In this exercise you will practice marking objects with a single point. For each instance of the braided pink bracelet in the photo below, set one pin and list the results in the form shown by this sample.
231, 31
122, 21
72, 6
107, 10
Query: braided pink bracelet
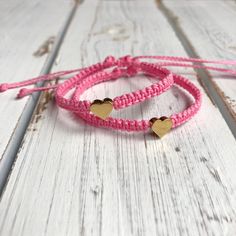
97, 112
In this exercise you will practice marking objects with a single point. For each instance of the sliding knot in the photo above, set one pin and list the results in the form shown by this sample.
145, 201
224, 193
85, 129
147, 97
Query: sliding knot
131, 71
125, 61
4, 87
130, 65
109, 61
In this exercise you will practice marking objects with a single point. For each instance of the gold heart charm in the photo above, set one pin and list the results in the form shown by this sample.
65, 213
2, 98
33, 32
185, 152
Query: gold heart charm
102, 109
161, 126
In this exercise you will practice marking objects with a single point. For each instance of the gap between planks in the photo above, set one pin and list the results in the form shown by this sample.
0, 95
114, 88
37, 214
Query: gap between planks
17, 137
96, 187
211, 88
204, 78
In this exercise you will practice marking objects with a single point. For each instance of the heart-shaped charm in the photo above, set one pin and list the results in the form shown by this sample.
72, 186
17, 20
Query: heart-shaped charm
102, 109
161, 126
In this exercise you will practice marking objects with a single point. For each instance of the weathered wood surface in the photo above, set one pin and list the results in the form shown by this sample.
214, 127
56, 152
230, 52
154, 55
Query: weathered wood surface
25, 27
73, 179
207, 25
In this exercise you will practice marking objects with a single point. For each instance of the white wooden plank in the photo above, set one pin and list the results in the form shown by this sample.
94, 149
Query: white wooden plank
210, 26
24, 27
73, 179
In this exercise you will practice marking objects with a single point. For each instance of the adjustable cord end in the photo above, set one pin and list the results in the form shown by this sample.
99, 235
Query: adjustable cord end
23, 92
4, 87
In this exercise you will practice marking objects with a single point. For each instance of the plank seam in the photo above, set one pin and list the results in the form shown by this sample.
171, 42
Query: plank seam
10, 154
204, 78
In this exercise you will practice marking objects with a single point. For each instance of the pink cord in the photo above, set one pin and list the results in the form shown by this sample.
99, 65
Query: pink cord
127, 66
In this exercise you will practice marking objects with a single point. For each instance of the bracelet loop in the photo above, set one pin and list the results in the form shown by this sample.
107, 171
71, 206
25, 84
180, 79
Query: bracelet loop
97, 112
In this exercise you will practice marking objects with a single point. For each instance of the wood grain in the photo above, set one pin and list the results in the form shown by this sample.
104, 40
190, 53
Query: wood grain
73, 179
24, 26
29, 37
209, 25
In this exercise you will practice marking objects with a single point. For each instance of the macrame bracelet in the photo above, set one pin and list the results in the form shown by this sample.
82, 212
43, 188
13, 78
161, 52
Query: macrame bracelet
97, 112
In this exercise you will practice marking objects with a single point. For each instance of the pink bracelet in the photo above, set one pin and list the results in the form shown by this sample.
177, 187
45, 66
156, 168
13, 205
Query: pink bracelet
97, 112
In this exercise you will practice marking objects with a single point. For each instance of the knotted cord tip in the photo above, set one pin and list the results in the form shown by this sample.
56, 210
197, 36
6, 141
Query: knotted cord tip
23, 92
4, 87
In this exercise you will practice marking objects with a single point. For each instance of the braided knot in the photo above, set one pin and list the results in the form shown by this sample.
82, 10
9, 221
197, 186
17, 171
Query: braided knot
127, 65
125, 61
109, 61
130, 64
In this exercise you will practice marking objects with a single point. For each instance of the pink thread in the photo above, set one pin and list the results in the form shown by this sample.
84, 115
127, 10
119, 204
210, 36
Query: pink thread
3, 87
126, 66
24, 91
52, 76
